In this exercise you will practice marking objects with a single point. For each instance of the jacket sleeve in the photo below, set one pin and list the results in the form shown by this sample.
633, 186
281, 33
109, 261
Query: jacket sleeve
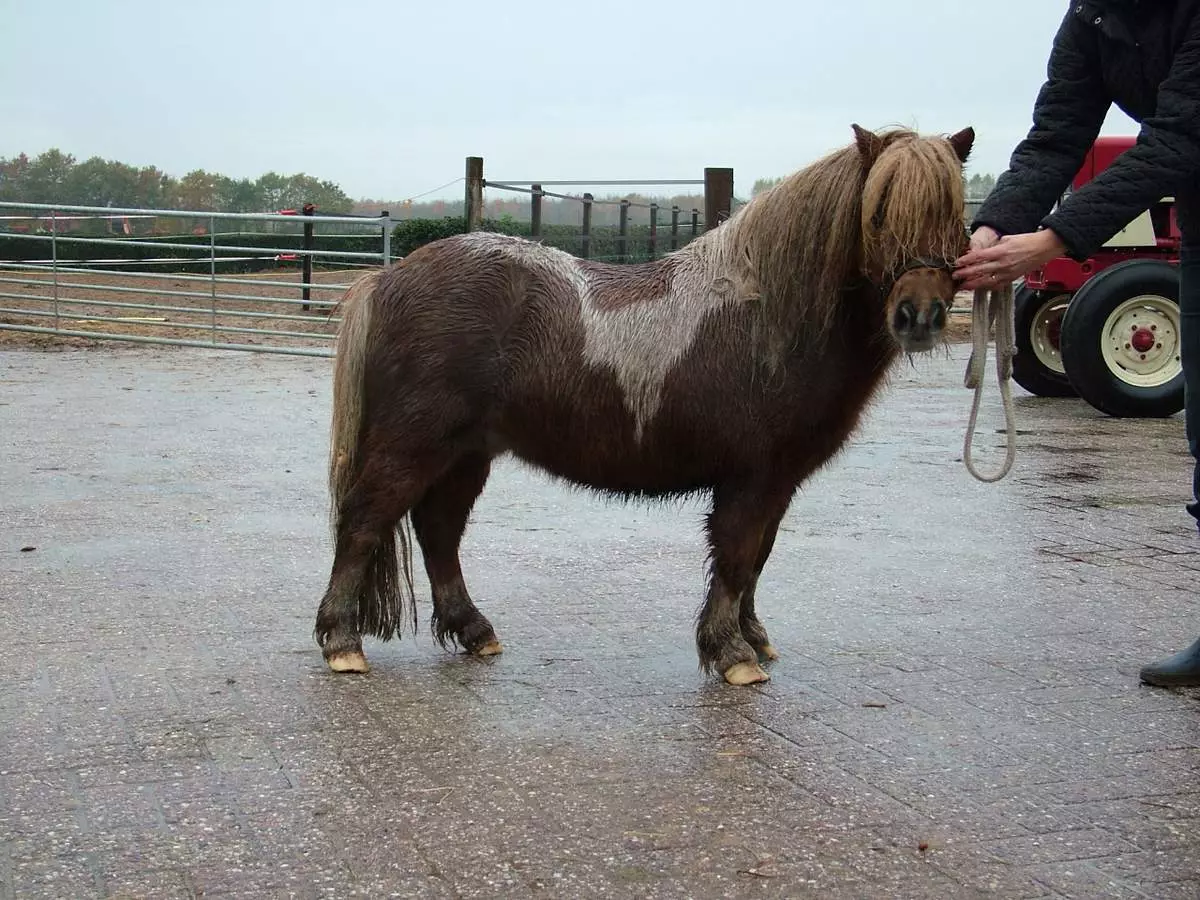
1067, 116
1164, 160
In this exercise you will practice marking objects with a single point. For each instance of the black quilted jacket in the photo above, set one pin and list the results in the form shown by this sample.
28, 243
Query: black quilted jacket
1144, 56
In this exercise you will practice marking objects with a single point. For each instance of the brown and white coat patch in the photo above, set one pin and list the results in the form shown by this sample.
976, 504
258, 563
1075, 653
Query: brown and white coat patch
638, 321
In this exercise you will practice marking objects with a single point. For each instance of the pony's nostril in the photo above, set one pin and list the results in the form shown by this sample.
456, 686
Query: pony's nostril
906, 315
938, 318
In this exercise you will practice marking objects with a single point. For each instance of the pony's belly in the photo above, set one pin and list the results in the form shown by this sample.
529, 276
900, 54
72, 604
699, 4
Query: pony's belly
621, 475
596, 452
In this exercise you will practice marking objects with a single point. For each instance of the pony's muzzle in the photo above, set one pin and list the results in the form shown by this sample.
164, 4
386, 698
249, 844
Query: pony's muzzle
919, 308
918, 325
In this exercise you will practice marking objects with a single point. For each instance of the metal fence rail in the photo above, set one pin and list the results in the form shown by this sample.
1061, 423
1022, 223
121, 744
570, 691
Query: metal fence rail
268, 284
271, 286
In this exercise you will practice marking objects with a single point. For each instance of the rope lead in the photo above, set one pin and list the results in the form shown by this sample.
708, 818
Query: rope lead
992, 307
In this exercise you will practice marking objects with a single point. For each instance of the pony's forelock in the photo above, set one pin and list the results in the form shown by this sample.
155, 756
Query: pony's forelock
913, 201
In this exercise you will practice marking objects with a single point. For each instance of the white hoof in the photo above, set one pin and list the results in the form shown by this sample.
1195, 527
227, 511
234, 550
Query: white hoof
491, 648
352, 661
746, 673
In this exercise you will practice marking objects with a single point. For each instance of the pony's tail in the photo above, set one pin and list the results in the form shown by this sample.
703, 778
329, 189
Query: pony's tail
383, 603
350, 358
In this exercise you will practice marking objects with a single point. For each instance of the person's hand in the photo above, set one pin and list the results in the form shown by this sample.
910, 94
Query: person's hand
1006, 259
983, 237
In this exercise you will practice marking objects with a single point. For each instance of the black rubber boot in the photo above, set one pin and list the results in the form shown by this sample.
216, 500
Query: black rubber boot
1180, 670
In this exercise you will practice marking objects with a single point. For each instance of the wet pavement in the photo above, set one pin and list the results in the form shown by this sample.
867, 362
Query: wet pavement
956, 712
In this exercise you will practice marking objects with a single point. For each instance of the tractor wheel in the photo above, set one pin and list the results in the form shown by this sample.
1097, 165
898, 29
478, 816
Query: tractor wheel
1038, 365
1120, 340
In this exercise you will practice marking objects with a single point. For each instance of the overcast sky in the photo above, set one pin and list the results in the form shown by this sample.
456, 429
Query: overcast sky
387, 97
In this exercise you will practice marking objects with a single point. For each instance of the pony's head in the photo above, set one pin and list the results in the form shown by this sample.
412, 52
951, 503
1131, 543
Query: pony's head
887, 209
913, 227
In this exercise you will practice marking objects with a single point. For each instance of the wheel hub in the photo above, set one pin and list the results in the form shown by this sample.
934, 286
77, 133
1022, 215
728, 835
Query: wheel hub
1142, 341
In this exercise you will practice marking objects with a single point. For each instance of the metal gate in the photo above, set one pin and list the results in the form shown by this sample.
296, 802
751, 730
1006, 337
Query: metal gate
257, 282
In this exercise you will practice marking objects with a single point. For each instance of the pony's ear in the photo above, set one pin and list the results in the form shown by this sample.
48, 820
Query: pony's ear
962, 142
869, 145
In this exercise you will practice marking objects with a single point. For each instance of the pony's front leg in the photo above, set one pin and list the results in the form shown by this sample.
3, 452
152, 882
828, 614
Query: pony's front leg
740, 521
752, 629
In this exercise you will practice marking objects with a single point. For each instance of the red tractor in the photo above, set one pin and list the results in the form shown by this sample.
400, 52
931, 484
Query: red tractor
1107, 329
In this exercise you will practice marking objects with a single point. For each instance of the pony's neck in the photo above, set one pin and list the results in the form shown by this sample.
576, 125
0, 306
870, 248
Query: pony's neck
794, 251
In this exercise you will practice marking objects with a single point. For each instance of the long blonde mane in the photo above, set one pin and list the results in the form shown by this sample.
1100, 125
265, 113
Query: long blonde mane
797, 247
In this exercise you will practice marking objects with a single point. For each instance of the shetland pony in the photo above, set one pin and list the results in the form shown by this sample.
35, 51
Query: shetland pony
736, 366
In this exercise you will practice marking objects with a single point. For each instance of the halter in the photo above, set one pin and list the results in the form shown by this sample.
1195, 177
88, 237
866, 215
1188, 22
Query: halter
895, 273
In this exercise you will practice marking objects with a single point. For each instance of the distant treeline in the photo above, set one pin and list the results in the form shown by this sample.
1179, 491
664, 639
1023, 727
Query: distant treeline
57, 177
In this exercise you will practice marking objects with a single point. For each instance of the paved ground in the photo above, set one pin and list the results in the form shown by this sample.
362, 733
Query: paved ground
956, 712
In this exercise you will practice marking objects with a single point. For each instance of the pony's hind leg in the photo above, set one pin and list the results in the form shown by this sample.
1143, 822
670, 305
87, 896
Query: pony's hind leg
740, 521
439, 521
369, 592
359, 551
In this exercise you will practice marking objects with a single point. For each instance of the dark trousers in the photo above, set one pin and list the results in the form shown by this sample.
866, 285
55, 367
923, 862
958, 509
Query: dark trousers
1189, 336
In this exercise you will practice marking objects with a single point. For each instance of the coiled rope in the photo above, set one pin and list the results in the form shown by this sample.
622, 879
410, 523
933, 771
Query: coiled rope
992, 306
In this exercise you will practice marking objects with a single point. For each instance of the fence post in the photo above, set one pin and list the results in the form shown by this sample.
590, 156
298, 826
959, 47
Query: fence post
535, 212
653, 230
306, 261
473, 209
586, 248
54, 262
623, 232
674, 227
695, 222
212, 271
386, 218
718, 196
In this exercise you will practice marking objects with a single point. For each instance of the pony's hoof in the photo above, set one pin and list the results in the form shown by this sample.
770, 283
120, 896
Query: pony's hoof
767, 652
351, 661
491, 648
745, 673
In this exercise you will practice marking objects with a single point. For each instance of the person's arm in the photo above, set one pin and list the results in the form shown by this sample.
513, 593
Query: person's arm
1067, 116
1164, 160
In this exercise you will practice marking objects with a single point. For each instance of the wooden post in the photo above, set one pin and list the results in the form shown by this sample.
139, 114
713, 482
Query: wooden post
306, 261
695, 222
535, 212
387, 240
473, 211
653, 230
674, 227
623, 232
586, 245
718, 196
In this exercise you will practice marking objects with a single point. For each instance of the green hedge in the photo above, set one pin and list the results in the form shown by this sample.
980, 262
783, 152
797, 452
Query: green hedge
406, 237
604, 244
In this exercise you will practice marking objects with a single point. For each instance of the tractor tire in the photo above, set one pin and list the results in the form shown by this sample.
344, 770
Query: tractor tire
1038, 365
1120, 340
